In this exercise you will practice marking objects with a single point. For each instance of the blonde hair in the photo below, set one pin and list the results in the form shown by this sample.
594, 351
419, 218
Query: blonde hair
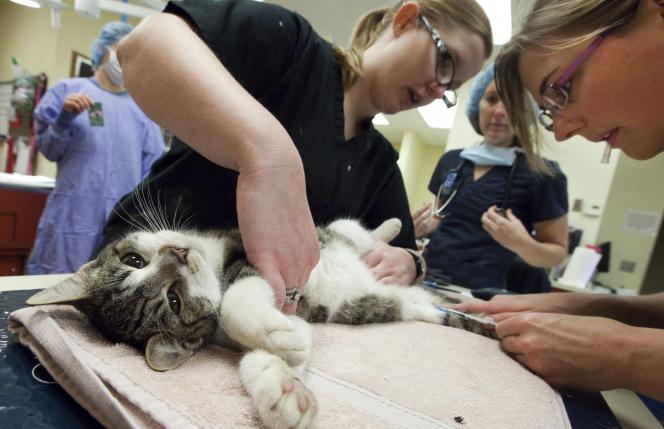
464, 13
549, 26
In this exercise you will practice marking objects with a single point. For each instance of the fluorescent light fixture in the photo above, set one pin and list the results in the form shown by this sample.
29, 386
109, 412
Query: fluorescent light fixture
437, 115
380, 119
28, 3
500, 15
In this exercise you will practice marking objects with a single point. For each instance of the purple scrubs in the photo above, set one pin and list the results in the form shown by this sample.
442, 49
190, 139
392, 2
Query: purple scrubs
97, 165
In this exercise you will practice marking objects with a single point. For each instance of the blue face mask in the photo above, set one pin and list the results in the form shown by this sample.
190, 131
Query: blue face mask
486, 154
113, 69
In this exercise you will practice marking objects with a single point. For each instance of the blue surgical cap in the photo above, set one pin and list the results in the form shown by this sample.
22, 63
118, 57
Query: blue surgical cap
110, 33
482, 80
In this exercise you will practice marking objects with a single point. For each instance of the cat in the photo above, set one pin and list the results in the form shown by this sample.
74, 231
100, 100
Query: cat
170, 292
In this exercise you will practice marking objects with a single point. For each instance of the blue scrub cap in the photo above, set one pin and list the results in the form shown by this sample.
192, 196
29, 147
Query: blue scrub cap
480, 83
110, 33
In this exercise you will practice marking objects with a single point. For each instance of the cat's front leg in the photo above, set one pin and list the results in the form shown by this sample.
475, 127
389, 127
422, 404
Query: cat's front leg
249, 317
281, 398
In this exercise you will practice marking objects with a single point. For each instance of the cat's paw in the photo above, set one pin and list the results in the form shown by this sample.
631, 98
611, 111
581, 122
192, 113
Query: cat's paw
289, 337
281, 398
249, 317
388, 230
292, 344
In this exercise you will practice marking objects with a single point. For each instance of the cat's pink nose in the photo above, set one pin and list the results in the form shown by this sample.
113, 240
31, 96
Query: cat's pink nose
180, 253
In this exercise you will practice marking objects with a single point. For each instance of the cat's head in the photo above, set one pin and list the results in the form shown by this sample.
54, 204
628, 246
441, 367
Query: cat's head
157, 291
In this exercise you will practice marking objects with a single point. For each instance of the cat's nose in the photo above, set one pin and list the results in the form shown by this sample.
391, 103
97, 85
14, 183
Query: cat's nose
179, 253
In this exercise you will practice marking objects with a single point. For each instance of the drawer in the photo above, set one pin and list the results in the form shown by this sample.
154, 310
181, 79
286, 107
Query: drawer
11, 265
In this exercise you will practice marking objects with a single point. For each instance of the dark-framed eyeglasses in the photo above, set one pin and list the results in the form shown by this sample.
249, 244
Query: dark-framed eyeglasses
556, 96
444, 64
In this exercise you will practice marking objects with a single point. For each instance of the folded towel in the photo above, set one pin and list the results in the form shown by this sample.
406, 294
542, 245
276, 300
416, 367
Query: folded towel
399, 375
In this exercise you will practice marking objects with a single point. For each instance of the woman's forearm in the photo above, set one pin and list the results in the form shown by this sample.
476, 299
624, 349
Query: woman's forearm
164, 59
643, 372
540, 254
644, 310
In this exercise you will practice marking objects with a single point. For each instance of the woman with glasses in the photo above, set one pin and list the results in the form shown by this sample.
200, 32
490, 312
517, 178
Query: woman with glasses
489, 198
596, 69
273, 123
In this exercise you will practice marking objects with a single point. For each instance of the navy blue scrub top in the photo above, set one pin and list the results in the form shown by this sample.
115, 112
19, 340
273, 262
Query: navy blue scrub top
460, 247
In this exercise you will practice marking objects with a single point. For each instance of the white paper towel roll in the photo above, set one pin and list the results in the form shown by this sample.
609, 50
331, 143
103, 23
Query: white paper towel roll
581, 266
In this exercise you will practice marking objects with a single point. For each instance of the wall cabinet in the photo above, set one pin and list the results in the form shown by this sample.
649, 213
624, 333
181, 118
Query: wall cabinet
19, 216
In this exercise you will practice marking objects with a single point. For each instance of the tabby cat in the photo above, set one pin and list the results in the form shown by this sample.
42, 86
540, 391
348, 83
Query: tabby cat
169, 292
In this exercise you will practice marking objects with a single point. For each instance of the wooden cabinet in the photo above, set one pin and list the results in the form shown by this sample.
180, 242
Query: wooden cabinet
19, 216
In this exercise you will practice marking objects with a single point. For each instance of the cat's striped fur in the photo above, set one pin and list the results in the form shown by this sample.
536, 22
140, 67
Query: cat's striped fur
170, 292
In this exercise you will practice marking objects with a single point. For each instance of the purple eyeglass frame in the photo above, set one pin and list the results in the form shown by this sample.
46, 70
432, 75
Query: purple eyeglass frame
559, 85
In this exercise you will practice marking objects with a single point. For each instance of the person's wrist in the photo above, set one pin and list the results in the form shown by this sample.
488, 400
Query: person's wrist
419, 263
65, 118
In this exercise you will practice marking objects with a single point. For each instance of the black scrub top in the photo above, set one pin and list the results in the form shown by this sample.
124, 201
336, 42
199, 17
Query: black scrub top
278, 58
460, 247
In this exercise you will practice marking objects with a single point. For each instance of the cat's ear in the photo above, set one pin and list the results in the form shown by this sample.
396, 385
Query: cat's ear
69, 290
163, 354
388, 230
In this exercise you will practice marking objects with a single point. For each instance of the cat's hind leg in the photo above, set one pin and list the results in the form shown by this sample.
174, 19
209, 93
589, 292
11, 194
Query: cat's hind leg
417, 304
282, 400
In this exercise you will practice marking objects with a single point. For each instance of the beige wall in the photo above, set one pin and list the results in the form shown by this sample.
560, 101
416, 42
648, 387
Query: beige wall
26, 34
637, 187
417, 161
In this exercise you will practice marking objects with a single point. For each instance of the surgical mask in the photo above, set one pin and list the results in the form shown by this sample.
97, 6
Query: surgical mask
486, 154
113, 69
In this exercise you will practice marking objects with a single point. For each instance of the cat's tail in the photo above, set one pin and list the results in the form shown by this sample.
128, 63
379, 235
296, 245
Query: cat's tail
387, 230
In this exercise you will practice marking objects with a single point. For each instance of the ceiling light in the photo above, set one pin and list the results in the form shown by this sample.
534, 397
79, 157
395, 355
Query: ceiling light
437, 115
28, 3
88, 8
380, 119
500, 15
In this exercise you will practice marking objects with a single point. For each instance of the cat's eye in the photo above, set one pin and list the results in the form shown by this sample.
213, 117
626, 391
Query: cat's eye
173, 301
133, 260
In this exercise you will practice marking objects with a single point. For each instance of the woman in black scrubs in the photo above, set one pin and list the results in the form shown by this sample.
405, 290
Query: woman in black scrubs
259, 102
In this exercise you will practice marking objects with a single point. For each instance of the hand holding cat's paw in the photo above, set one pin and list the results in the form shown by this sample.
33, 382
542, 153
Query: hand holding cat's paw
281, 398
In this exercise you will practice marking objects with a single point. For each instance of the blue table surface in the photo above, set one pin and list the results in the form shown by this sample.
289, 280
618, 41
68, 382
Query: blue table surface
26, 402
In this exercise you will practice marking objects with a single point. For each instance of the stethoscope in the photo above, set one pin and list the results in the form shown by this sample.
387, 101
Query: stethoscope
452, 184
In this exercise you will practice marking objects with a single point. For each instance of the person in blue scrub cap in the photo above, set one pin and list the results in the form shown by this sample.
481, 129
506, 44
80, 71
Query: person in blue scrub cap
493, 201
103, 144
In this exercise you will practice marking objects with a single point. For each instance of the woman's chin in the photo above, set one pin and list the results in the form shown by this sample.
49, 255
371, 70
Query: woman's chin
498, 140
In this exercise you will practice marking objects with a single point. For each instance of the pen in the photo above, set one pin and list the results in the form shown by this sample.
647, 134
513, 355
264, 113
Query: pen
434, 285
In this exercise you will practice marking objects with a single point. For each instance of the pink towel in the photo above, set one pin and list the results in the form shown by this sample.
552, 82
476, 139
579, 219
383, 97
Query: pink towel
399, 375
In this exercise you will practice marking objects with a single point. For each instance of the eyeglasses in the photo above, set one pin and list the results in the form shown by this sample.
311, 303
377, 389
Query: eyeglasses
556, 95
444, 65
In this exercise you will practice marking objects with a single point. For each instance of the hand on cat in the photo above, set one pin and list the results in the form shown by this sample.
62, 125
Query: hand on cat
277, 229
390, 265
76, 103
590, 353
507, 230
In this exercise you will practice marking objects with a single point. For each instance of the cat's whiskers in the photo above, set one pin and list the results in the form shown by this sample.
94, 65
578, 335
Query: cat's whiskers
144, 205
132, 222
178, 224
215, 314
146, 321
